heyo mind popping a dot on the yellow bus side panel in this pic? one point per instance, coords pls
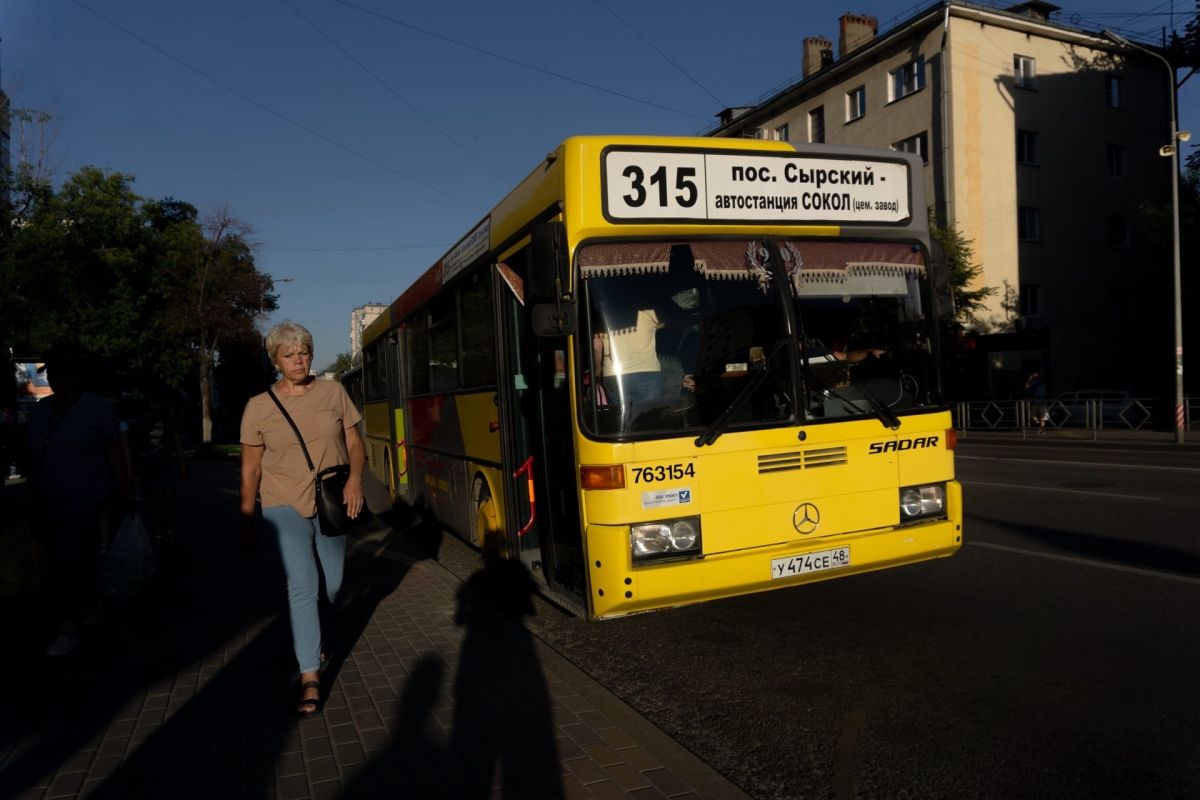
(378, 435)
(619, 588)
(479, 419)
(401, 455)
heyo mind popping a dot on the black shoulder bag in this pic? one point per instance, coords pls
(330, 484)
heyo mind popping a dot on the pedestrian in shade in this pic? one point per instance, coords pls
(274, 467)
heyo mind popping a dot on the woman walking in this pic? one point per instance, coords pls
(273, 466)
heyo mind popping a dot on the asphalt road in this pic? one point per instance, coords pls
(1057, 655)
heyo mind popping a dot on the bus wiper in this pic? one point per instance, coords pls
(714, 431)
(882, 412)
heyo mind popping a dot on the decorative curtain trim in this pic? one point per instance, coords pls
(856, 270)
(633, 258)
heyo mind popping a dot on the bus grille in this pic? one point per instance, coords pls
(802, 459)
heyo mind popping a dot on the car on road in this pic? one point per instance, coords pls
(1108, 408)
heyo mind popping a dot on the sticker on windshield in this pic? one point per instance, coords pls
(666, 497)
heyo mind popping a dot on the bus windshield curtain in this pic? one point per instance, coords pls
(632, 258)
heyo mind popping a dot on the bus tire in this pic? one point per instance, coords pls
(487, 526)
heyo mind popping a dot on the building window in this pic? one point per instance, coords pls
(1025, 72)
(816, 125)
(1027, 152)
(1114, 91)
(781, 133)
(1029, 224)
(907, 79)
(1118, 232)
(918, 144)
(1118, 160)
(856, 103)
(1031, 300)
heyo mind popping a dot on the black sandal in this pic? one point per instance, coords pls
(309, 705)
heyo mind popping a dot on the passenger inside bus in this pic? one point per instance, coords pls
(639, 335)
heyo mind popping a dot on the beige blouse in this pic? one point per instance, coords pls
(322, 414)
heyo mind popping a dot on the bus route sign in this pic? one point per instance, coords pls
(681, 185)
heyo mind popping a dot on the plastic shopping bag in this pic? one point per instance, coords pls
(129, 565)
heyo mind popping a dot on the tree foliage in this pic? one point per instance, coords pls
(151, 288)
(1184, 48)
(970, 297)
(340, 365)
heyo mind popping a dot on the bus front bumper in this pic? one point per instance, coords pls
(619, 588)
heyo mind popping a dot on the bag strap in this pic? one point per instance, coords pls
(292, 422)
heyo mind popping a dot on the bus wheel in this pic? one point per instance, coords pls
(487, 526)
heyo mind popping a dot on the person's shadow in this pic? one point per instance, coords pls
(229, 738)
(228, 735)
(502, 731)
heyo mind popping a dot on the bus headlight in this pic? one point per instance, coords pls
(670, 538)
(918, 502)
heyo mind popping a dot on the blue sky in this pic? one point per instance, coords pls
(361, 138)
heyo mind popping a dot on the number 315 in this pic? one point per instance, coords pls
(686, 187)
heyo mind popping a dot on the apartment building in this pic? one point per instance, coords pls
(360, 318)
(1041, 141)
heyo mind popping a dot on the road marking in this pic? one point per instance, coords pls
(1076, 463)
(1058, 489)
(1087, 562)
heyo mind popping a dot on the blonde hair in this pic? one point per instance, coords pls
(287, 333)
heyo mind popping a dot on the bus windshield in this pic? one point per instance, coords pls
(706, 336)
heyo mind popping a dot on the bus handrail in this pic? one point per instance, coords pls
(527, 470)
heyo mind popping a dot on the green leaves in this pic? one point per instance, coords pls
(148, 286)
(970, 296)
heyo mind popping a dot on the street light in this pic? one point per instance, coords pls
(1170, 150)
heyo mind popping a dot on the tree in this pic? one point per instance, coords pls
(72, 268)
(340, 365)
(219, 290)
(970, 297)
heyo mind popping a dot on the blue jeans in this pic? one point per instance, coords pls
(297, 536)
(636, 386)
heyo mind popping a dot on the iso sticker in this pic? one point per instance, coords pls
(666, 497)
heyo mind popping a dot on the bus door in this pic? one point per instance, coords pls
(537, 444)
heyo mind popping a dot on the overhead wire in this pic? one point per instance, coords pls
(443, 246)
(523, 64)
(278, 114)
(665, 57)
(388, 88)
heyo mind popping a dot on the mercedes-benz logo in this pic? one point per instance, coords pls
(806, 518)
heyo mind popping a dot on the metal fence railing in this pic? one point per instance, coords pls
(1089, 415)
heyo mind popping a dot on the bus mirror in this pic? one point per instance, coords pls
(549, 270)
(554, 319)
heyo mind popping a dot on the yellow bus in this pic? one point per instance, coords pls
(667, 370)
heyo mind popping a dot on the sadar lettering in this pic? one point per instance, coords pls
(904, 444)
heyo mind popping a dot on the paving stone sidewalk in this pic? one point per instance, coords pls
(435, 687)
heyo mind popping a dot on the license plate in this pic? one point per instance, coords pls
(810, 562)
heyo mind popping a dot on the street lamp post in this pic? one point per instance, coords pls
(1171, 150)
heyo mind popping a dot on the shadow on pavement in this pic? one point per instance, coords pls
(209, 642)
(502, 731)
(1119, 551)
